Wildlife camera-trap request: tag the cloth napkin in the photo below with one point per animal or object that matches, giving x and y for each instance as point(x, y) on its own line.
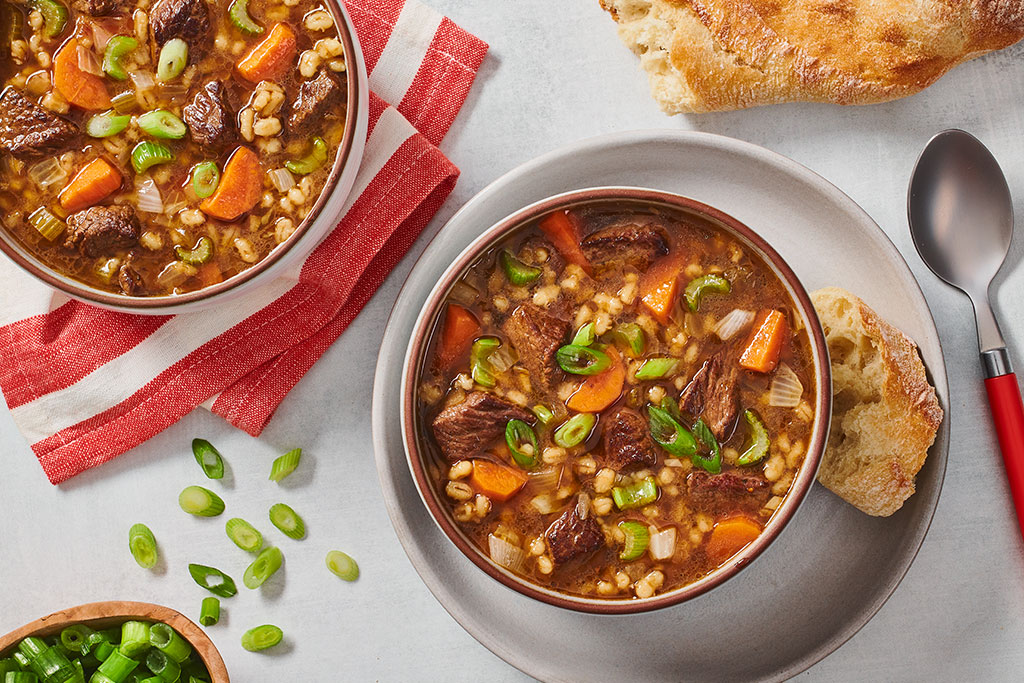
point(85, 385)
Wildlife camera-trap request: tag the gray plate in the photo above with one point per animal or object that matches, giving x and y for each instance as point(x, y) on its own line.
point(831, 570)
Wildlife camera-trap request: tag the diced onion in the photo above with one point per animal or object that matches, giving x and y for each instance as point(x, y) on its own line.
point(148, 197)
point(503, 358)
point(504, 553)
point(143, 81)
point(786, 389)
point(172, 91)
point(734, 322)
point(102, 31)
point(88, 62)
point(175, 273)
point(283, 179)
point(175, 203)
point(546, 479)
point(46, 173)
point(464, 294)
point(583, 506)
point(542, 504)
point(663, 544)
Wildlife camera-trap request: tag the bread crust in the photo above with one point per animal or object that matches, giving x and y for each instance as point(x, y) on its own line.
point(885, 412)
point(716, 55)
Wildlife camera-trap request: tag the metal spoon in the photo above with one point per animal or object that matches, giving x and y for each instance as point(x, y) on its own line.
point(961, 219)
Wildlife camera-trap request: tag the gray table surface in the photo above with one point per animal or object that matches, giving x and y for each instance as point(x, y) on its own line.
point(555, 73)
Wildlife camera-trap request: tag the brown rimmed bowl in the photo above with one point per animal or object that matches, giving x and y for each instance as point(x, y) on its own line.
point(419, 452)
point(322, 218)
point(101, 615)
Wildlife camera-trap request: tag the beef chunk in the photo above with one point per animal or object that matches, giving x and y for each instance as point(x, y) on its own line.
point(571, 536)
point(316, 99)
point(130, 281)
point(536, 336)
point(102, 230)
point(627, 441)
point(209, 118)
point(98, 8)
point(26, 129)
point(727, 493)
point(464, 429)
point(712, 394)
point(637, 244)
point(185, 19)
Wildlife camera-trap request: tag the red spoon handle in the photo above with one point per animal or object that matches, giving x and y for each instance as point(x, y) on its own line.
point(1008, 414)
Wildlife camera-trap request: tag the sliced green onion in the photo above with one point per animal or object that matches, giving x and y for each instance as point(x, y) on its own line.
point(168, 641)
point(262, 568)
point(163, 666)
point(670, 434)
point(108, 636)
point(261, 637)
point(669, 405)
point(759, 440)
point(142, 545)
point(124, 102)
point(699, 286)
point(75, 638)
point(712, 462)
point(117, 48)
point(238, 12)
point(20, 677)
point(632, 335)
point(47, 662)
point(635, 495)
point(104, 650)
point(522, 443)
point(656, 368)
point(244, 535)
point(213, 580)
point(206, 455)
point(543, 414)
point(582, 360)
point(134, 638)
point(287, 520)
point(637, 538)
point(312, 161)
point(8, 666)
point(147, 154)
point(55, 16)
point(195, 500)
point(342, 566)
point(106, 124)
point(209, 613)
point(479, 366)
point(172, 61)
point(585, 336)
point(48, 225)
point(205, 179)
point(161, 123)
point(285, 464)
point(517, 272)
point(575, 430)
point(118, 665)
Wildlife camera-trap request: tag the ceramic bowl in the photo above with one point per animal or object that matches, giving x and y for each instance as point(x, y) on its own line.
point(419, 453)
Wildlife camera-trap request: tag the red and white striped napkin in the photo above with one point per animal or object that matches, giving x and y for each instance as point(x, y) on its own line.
point(85, 385)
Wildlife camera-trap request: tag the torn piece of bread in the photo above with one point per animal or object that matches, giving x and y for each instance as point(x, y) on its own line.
point(884, 413)
point(716, 55)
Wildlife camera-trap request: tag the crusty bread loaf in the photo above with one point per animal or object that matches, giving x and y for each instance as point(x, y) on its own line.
point(884, 414)
point(714, 55)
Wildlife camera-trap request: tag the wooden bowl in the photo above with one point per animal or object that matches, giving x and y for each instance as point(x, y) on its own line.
point(100, 615)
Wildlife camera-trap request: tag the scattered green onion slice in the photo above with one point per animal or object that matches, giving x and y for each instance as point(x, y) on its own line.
point(712, 462)
point(585, 336)
point(699, 286)
point(205, 179)
point(238, 12)
point(522, 443)
point(670, 434)
point(632, 335)
point(134, 638)
point(163, 666)
point(543, 413)
point(261, 637)
point(173, 59)
point(124, 102)
point(759, 440)
point(117, 48)
point(287, 521)
point(575, 430)
point(168, 641)
point(244, 535)
point(656, 368)
point(637, 538)
point(635, 495)
point(142, 544)
point(206, 455)
point(582, 360)
point(196, 500)
point(342, 566)
point(517, 272)
point(161, 123)
point(262, 568)
point(285, 465)
point(147, 154)
point(75, 638)
point(213, 580)
point(479, 366)
point(106, 124)
point(209, 613)
point(55, 16)
point(48, 225)
point(196, 256)
point(312, 161)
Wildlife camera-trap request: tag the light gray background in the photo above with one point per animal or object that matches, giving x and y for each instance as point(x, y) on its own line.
point(555, 73)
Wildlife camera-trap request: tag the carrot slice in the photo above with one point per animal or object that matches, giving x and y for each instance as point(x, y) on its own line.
point(659, 287)
point(495, 481)
point(78, 87)
point(272, 57)
point(459, 330)
point(95, 182)
point(240, 188)
point(764, 345)
point(564, 232)
point(730, 536)
point(209, 274)
point(599, 391)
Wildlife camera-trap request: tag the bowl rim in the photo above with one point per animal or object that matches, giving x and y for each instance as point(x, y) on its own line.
point(802, 483)
point(24, 258)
